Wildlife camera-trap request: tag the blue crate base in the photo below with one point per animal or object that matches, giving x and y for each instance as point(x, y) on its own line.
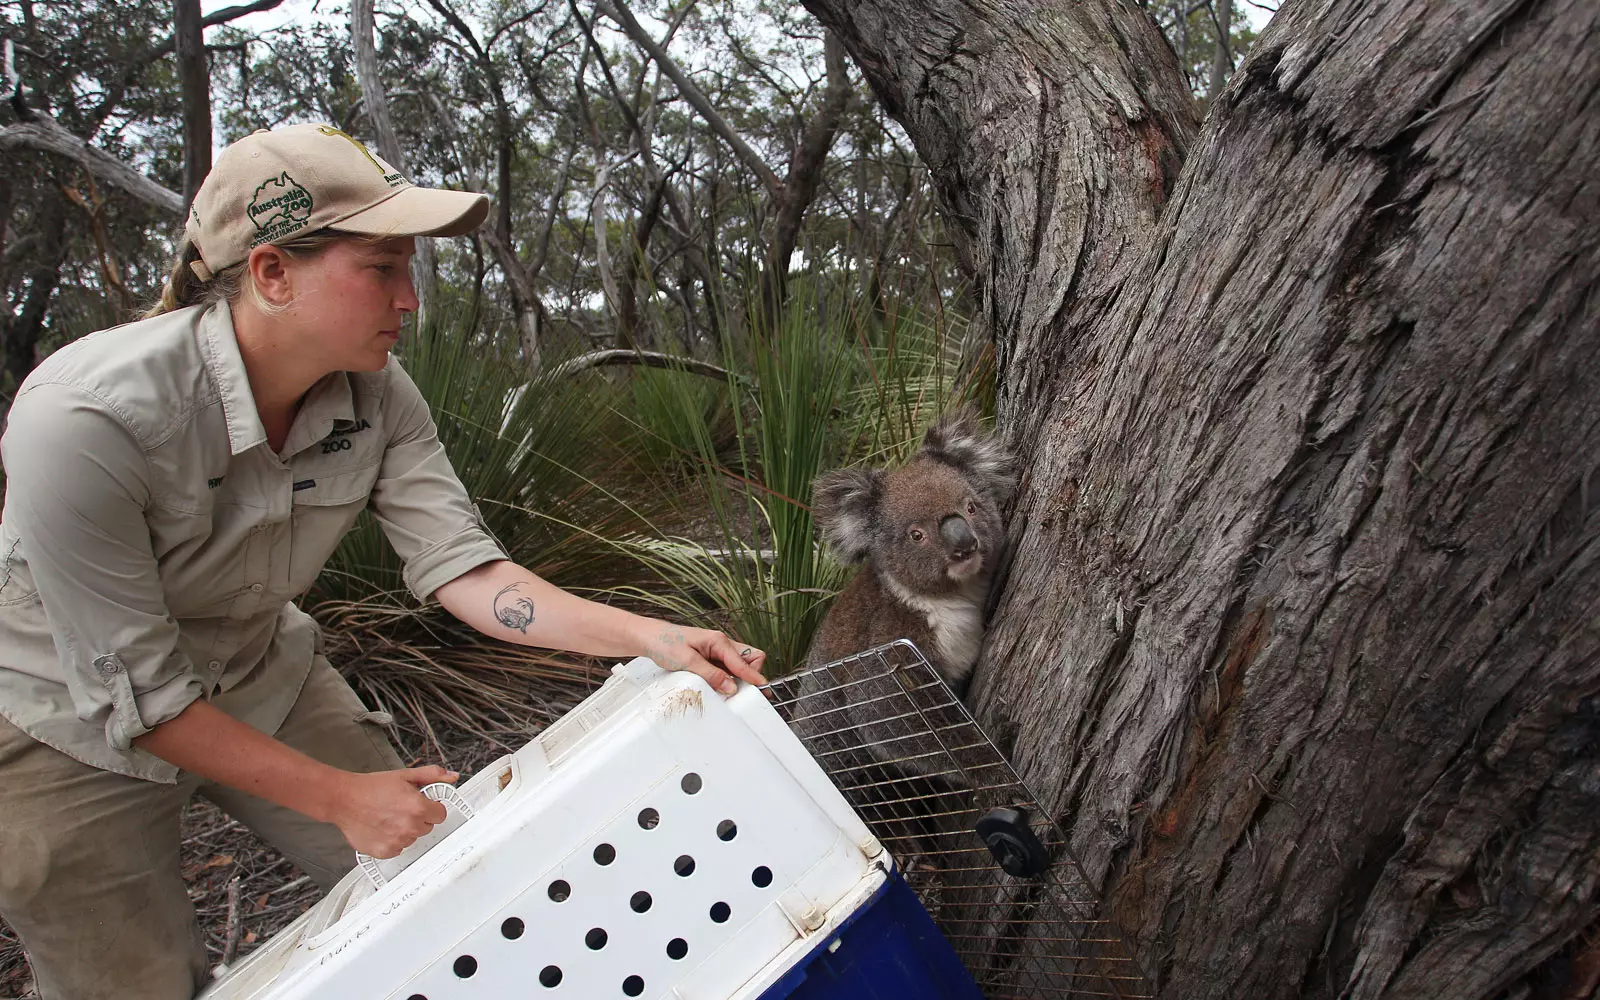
point(888, 950)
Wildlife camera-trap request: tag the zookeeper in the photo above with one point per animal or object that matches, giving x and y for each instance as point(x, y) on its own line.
point(171, 486)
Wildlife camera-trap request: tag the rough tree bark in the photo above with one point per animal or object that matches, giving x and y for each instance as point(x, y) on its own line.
point(1302, 631)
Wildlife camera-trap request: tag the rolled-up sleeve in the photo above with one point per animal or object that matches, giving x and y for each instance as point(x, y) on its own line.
point(420, 502)
point(78, 485)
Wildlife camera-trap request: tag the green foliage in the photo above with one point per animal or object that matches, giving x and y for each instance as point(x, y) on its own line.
point(1192, 31)
point(671, 409)
point(531, 455)
point(829, 385)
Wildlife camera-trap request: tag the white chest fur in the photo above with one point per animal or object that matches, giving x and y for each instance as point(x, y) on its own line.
point(956, 622)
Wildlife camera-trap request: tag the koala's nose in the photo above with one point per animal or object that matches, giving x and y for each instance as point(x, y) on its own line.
point(957, 534)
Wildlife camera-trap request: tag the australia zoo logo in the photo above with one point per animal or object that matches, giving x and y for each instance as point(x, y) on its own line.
point(280, 206)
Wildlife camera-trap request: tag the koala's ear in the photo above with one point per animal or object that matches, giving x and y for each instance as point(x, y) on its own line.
point(958, 441)
point(844, 503)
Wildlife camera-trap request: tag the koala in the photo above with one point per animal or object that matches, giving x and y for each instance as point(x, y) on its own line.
point(929, 536)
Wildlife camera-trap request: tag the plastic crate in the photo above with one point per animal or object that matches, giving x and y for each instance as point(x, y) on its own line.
point(659, 841)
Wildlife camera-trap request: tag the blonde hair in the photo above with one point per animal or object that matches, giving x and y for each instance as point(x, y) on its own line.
point(184, 288)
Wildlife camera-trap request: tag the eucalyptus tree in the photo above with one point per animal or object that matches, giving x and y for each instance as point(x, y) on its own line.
point(1301, 635)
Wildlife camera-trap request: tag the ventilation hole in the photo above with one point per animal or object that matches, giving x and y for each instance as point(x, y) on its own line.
point(559, 891)
point(684, 866)
point(465, 966)
point(633, 985)
point(605, 854)
point(720, 912)
point(416, 996)
point(762, 877)
point(677, 948)
point(595, 939)
point(691, 783)
point(550, 976)
point(727, 830)
point(649, 819)
point(640, 901)
point(511, 929)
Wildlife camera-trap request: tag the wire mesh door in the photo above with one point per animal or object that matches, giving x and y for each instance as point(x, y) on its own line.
point(923, 775)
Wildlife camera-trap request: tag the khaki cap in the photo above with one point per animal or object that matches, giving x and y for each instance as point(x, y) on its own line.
point(273, 185)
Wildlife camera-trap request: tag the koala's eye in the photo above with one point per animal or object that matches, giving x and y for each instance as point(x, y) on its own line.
point(917, 535)
point(972, 508)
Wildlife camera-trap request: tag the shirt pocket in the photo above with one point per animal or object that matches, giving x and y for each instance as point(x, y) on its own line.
point(324, 510)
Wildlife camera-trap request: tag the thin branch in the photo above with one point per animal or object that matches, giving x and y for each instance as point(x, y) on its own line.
point(649, 359)
point(619, 12)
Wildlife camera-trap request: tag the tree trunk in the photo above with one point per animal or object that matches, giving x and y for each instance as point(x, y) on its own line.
point(1301, 634)
point(195, 80)
point(22, 332)
point(1222, 58)
point(805, 174)
point(425, 265)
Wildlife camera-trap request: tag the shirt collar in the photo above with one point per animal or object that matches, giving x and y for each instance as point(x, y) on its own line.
point(220, 348)
point(328, 405)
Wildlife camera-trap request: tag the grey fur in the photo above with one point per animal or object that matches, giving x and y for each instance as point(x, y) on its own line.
point(898, 522)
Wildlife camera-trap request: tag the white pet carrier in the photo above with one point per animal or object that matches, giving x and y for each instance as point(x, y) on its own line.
point(659, 841)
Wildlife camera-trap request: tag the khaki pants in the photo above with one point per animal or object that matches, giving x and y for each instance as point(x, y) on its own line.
point(89, 868)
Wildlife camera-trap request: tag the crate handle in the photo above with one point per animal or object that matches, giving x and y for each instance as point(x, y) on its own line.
point(457, 811)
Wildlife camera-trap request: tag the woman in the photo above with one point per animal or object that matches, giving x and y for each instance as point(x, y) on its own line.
point(172, 486)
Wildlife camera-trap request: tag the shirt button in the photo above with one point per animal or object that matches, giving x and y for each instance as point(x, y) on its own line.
point(215, 665)
point(255, 588)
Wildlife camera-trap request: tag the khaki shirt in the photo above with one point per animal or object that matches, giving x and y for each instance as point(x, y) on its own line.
point(152, 543)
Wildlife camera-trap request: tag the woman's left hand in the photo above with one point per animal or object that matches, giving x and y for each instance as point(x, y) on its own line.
point(712, 655)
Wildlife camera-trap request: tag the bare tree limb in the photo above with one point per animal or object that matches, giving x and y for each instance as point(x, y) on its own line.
point(558, 193)
point(45, 135)
point(648, 359)
point(424, 267)
point(230, 936)
point(619, 13)
point(805, 173)
point(1222, 59)
point(115, 94)
point(675, 202)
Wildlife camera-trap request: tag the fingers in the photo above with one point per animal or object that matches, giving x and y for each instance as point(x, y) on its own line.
point(722, 657)
point(429, 774)
point(718, 679)
point(387, 813)
point(744, 662)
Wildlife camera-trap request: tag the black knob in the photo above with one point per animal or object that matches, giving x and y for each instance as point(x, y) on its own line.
point(1012, 841)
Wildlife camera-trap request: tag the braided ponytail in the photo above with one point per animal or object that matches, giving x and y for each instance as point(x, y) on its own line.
point(184, 288)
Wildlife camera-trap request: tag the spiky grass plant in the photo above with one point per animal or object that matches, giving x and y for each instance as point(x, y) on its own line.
point(829, 384)
point(531, 454)
point(542, 461)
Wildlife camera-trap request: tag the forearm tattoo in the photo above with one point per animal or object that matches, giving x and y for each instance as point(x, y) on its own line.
point(671, 638)
point(512, 609)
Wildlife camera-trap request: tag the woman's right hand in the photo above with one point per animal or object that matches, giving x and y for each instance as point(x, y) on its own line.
point(384, 812)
